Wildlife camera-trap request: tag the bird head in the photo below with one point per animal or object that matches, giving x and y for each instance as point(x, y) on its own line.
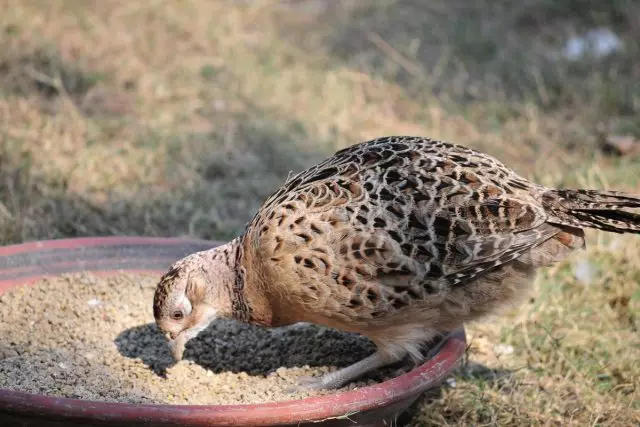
point(194, 292)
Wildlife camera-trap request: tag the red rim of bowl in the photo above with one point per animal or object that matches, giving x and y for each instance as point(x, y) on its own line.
point(429, 374)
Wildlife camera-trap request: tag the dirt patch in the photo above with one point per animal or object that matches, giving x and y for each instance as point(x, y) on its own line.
point(91, 337)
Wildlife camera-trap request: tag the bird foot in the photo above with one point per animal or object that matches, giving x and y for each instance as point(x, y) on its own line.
point(325, 382)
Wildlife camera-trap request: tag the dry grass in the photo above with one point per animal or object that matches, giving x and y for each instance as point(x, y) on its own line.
point(178, 118)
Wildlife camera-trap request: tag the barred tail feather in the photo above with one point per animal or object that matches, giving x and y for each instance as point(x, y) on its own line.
point(604, 210)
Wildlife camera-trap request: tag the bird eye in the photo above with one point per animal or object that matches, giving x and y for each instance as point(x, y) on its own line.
point(177, 315)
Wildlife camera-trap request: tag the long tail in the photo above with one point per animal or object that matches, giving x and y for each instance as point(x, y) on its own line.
point(604, 210)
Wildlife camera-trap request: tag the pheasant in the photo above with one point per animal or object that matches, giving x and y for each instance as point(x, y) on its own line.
point(401, 239)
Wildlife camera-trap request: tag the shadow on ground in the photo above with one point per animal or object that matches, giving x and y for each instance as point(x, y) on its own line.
point(228, 345)
point(232, 346)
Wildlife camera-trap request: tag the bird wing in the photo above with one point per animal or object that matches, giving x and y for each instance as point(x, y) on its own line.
point(489, 233)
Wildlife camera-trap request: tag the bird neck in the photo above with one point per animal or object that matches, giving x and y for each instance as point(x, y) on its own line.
point(249, 302)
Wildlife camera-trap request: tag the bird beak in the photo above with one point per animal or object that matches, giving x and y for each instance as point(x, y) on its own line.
point(177, 345)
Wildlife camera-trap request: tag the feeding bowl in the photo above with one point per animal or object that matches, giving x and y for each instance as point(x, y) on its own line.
point(375, 405)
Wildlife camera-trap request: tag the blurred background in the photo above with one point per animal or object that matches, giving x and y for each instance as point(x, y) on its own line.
point(166, 118)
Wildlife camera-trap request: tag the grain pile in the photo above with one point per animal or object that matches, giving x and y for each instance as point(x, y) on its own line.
point(91, 337)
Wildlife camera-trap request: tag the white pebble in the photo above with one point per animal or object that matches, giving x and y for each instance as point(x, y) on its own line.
point(584, 271)
point(94, 302)
point(503, 349)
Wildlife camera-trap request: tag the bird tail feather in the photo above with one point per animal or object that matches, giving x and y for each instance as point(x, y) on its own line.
point(603, 210)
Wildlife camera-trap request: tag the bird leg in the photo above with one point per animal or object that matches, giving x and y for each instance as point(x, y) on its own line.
point(339, 378)
point(346, 375)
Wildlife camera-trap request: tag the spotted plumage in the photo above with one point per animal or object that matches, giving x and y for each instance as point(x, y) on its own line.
point(399, 239)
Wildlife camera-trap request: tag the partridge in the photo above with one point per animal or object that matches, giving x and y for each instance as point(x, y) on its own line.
point(401, 239)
